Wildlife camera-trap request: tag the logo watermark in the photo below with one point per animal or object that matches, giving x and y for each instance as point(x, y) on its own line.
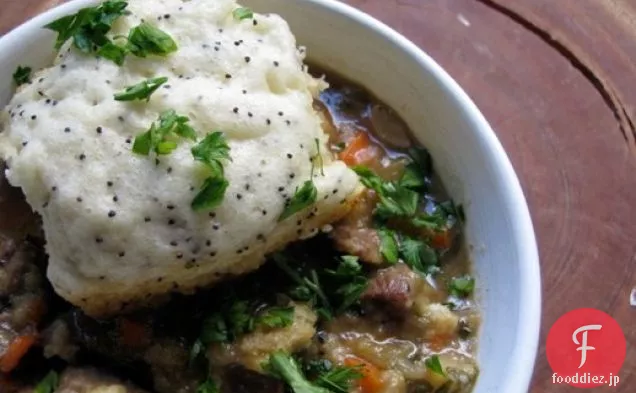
point(586, 348)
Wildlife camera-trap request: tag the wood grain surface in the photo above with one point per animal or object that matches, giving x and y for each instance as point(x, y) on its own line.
point(557, 81)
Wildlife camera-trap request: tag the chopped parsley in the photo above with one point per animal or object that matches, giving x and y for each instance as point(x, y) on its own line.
point(276, 317)
point(433, 364)
point(22, 75)
point(462, 286)
point(303, 197)
point(329, 380)
point(412, 178)
point(145, 39)
point(213, 150)
point(330, 291)
point(388, 245)
point(48, 384)
point(88, 28)
point(395, 199)
point(242, 13)
point(240, 318)
point(307, 194)
point(208, 386)
point(211, 194)
point(163, 134)
point(418, 255)
point(112, 52)
point(142, 90)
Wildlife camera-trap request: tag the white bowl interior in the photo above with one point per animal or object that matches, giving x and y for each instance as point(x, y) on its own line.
point(466, 153)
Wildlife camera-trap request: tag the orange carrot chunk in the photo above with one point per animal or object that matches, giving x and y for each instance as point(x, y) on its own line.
point(14, 353)
point(370, 381)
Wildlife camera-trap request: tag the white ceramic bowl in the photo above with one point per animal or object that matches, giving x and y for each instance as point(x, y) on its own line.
point(466, 152)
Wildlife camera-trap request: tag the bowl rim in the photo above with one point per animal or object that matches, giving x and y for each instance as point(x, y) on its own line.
point(519, 370)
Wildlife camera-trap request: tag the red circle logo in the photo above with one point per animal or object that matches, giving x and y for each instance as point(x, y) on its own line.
point(586, 348)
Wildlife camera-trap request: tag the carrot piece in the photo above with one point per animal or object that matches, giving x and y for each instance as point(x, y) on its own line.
point(370, 381)
point(441, 240)
point(132, 333)
point(359, 143)
point(16, 350)
point(438, 342)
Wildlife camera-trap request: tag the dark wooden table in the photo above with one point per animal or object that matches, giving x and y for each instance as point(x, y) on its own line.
point(557, 81)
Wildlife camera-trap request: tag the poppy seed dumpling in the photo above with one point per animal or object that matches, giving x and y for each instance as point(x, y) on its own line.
point(119, 226)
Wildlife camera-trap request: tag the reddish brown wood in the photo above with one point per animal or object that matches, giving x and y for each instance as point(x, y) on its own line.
point(557, 80)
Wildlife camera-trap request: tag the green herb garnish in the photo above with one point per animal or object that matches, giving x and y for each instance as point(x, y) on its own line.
point(303, 197)
point(242, 13)
point(163, 134)
point(88, 28)
point(433, 364)
point(329, 379)
point(276, 317)
point(146, 39)
point(388, 245)
point(209, 386)
point(48, 384)
point(462, 286)
point(213, 150)
point(22, 75)
point(395, 199)
point(142, 90)
point(418, 255)
point(113, 52)
point(211, 194)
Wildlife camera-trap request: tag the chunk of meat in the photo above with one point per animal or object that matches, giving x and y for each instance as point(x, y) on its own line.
point(394, 287)
point(22, 298)
point(238, 379)
point(58, 341)
point(355, 234)
point(252, 349)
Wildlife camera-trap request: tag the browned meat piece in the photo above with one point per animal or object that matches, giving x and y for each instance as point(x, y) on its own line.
point(241, 380)
point(394, 288)
point(355, 235)
point(22, 293)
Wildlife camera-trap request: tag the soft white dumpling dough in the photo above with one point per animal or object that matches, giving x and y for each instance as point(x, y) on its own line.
point(119, 226)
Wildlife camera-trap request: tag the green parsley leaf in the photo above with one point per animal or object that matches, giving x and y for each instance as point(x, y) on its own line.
point(242, 13)
point(284, 367)
point(112, 52)
point(22, 75)
point(240, 319)
point(418, 255)
point(412, 178)
point(435, 365)
point(388, 245)
point(339, 379)
point(48, 384)
point(276, 317)
point(142, 90)
point(368, 178)
point(209, 386)
point(212, 151)
point(351, 292)
point(462, 286)
point(348, 267)
point(214, 330)
point(161, 136)
point(304, 197)
point(396, 201)
point(211, 194)
point(145, 39)
point(88, 28)
point(433, 221)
